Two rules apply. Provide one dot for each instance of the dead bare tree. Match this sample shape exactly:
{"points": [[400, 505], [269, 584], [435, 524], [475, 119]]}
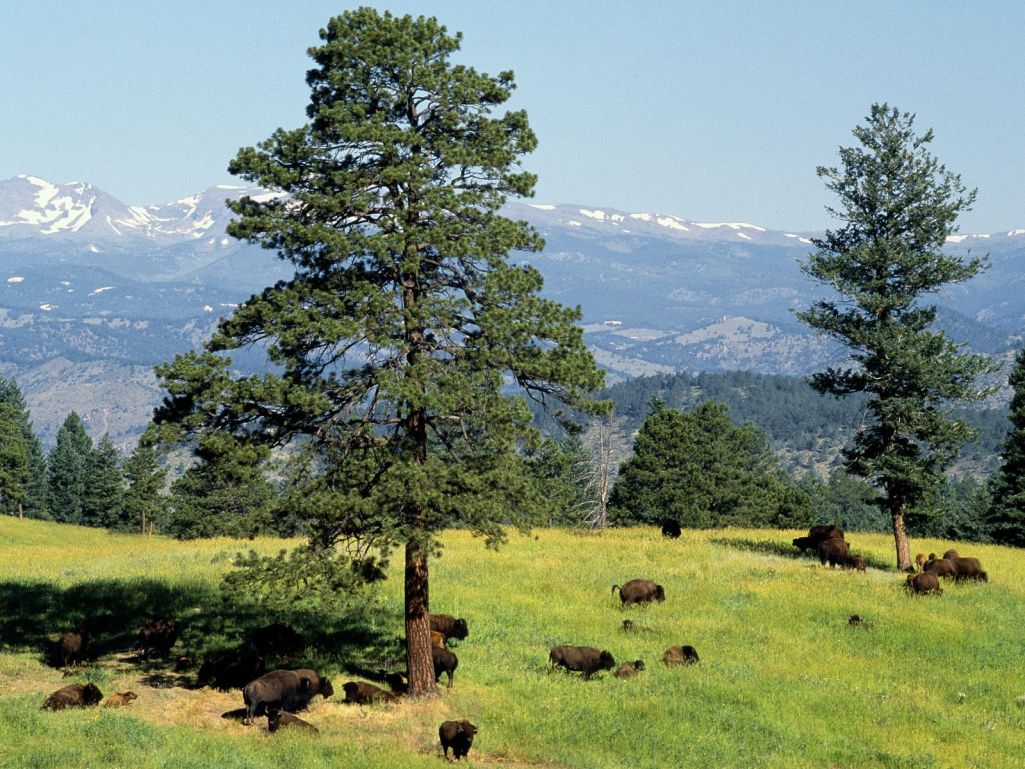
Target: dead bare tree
{"points": [[598, 468]]}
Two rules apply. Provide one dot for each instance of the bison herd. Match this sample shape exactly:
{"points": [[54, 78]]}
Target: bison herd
{"points": [[278, 694]]}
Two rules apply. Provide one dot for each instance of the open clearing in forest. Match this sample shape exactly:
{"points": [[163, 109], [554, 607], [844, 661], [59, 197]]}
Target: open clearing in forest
{"points": [[784, 680]]}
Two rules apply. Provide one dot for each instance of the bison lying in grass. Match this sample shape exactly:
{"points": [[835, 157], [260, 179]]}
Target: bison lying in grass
{"points": [[74, 696]]}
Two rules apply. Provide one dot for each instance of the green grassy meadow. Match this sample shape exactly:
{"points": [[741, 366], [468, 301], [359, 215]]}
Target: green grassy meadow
{"points": [[784, 680]]}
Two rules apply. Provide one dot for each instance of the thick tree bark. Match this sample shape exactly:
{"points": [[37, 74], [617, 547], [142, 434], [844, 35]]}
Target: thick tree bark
{"points": [[419, 662], [900, 538]]}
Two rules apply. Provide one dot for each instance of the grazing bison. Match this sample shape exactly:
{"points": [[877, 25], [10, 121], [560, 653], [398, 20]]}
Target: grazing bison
{"points": [[950, 554], [360, 693], [628, 669], [817, 534], [583, 659], [290, 689], [854, 562], [230, 669], [457, 735], [639, 591], [120, 700], [277, 638], [671, 529], [968, 568], [444, 662], [437, 639], [923, 583], [73, 696], [855, 621], [449, 626], [941, 567], [680, 655], [158, 636], [806, 543], [920, 561], [73, 647], [280, 719], [833, 551]]}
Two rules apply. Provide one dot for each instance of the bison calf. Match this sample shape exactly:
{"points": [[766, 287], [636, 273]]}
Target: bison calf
{"points": [[360, 693], [437, 639], [923, 583], [582, 659], [628, 669], [680, 655], [457, 735], [120, 700], [639, 591], [280, 719], [73, 696]]}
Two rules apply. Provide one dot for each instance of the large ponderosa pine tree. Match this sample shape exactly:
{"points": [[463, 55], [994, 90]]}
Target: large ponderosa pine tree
{"points": [[14, 462], [33, 502], [1006, 518], [898, 205], [405, 323]]}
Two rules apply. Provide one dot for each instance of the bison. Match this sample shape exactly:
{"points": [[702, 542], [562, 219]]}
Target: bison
{"points": [[396, 682], [280, 719], [582, 659], [120, 700], [360, 693], [289, 689], [923, 583], [968, 568], [449, 626], [834, 551], [628, 669], [444, 662], [671, 529], [159, 636], [680, 655], [457, 735], [941, 567], [639, 591], [817, 534], [73, 647], [437, 639], [230, 669], [73, 696], [920, 562], [950, 554], [854, 562]]}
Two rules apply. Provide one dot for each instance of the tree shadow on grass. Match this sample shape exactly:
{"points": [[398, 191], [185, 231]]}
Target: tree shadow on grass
{"points": [[33, 614], [787, 550]]}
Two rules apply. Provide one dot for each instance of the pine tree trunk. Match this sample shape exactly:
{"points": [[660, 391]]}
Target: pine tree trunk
{"points": [[21, 512], [419, 662], [900, 538]]}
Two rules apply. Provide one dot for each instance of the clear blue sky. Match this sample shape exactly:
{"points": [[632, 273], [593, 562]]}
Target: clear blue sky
{"points": [[710, 110]]}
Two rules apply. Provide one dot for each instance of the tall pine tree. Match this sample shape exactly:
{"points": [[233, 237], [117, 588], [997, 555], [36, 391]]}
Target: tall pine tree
{"points": [[66, 470], [103, 487], [898, 205], [34, 499], [14, 462], [1006, 517], [404, 317], [144, 500]]}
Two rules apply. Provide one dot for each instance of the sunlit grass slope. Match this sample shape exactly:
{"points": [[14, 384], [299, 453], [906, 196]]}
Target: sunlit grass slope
{"points": [[784, 680]]}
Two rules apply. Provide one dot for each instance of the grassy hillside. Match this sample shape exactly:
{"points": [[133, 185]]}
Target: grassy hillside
{"points": [[784, 680]]}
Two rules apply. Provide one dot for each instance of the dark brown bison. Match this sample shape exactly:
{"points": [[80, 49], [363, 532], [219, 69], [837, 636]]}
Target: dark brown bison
{"points": [[854, 562], [923, 583], [968, 568], [291, 690], [396, 682], [671, 529], [444, 662], [230, 669], [457, 735], [120, 700], [826, 531], [159, 636], [280, 719], [582, 659], [184, 664], [833, 551], [449, 626], [941, 567], [276, 639], [360, 693], [437, 639], [628, 669], [951, 554], [72, 647], [639, 591], [74, 696], [680, 655]]}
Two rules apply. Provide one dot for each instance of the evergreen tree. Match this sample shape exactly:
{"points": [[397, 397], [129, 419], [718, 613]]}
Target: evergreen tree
{"points": [[144, 500], [35, 505], [557, 467], [702, 470], [14, 462], [66, 470], [404, 315], [1006, 516], [103, 487], [898, 206]]}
